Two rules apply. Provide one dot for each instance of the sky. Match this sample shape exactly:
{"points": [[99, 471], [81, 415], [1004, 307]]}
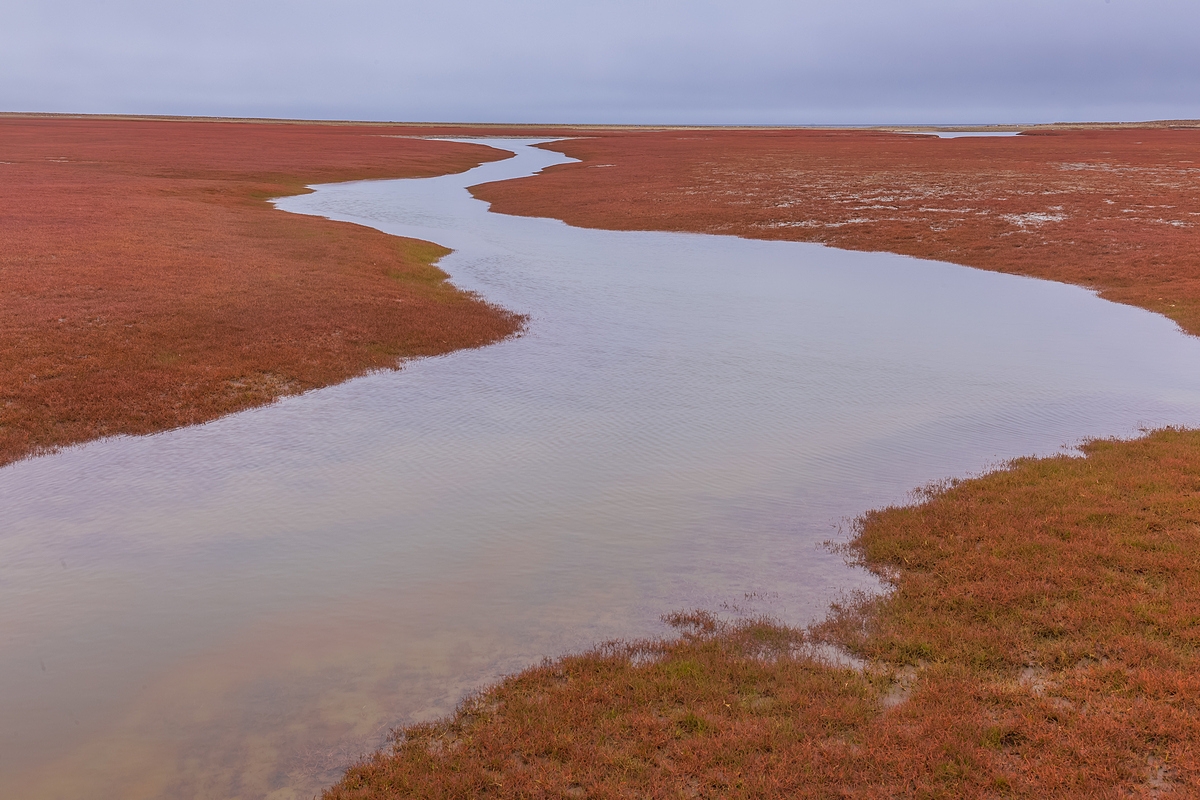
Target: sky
{"points": [[754, 62]]}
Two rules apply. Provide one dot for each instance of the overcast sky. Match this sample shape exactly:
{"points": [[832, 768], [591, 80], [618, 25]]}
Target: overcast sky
{"points": [[627, 61]]}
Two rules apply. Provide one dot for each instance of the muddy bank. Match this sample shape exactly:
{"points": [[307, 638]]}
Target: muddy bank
{"points": [[1117, 209], [147, 283]]}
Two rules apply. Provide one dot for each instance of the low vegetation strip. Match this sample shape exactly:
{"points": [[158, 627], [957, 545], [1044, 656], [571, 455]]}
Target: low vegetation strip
{"points": [[147, 284], [1040, 640], [1117, 209]]}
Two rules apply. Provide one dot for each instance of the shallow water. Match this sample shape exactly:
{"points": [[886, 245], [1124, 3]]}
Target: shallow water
{"points": [[239, 609], [965, 134]]}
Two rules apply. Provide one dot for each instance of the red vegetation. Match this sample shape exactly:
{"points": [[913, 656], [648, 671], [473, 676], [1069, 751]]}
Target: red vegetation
{"points": [[1115, 209], [146, 283]]}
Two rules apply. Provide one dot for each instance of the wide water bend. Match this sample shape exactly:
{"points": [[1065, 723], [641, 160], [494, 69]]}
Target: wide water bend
{"points": [[238, 609]]}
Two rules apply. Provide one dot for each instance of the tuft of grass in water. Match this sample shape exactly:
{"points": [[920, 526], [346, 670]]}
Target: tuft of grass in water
{"points": [[1040, 639]]}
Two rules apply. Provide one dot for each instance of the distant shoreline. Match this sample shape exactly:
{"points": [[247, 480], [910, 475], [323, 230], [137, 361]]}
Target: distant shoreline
{"points": [[583, 127]]}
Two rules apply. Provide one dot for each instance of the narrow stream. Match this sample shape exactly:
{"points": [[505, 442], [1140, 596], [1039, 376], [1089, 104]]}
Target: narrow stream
{"points": [[241, 608]]}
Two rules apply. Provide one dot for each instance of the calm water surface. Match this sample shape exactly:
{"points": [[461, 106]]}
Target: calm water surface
{"points": [[239, 609]]}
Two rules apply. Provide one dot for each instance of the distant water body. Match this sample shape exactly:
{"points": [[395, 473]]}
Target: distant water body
{"points": [[238, 609], [963, 134]]}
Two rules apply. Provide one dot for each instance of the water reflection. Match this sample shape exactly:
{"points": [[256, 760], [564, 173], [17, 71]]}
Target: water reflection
{"points": [[236, 610]]}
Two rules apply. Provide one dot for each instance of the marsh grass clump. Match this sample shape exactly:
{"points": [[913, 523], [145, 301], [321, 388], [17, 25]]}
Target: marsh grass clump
{"points": [[1039, 639], [723, 704]]}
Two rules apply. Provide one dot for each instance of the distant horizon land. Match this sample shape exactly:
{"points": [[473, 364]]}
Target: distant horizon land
{"points": [[883, 126]]}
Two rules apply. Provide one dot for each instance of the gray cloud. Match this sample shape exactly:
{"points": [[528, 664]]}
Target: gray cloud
{"points": [[637, 61]]}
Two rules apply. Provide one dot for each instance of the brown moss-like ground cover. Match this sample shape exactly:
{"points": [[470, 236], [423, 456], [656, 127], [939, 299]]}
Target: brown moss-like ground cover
{"points": [[1040, 641], [146, 283], [1113, 209]]}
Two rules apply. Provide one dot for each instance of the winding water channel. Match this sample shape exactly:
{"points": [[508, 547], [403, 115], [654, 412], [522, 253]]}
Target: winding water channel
{"points": [[240, 608]]}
